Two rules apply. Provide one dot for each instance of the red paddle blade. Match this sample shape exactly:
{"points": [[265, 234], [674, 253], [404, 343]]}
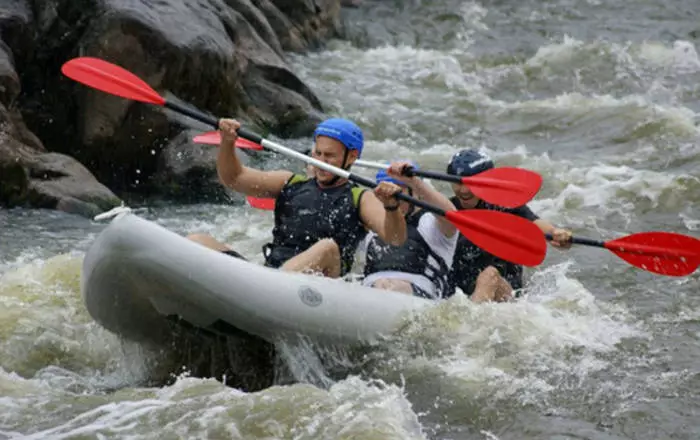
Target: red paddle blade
{"points": [[665, 253], [110, 78], [505, 186], [209, 138], [214, 138], [504, 235], [267, 204]]}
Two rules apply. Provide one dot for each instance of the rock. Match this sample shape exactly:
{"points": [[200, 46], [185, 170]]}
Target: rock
{"points": [[16, 28], [302, 24], [14, 176], [59, 181], [224, 57], [187, 171], [30, 175], [184, 166], [49, 180], [9, 81], [351, 3]]}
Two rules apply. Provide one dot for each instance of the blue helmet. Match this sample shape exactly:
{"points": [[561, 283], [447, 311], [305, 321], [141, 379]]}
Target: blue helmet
{"points": [[469, 163], [344, 131], [383, 176]]}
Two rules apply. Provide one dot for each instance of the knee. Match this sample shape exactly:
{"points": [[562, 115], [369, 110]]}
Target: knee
{"points": [[329, 247], [199, 238], [489, 276], [207, 241]]}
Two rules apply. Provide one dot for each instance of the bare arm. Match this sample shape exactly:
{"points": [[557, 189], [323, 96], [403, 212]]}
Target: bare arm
{"points": [[545, 226], [431, 195], [240, 178], [390, 226], [561, 238]]}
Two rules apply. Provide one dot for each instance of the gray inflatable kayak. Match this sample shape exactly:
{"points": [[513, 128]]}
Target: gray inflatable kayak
{"points": [[138, 275]]}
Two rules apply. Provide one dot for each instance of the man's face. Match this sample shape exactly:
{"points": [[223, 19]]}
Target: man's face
{"points": [[330, 151], [467, 199]]}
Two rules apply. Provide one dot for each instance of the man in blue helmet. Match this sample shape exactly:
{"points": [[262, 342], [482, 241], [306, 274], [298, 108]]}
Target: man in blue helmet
{"points": [[471, 261], [319, 219], [421, 265]]}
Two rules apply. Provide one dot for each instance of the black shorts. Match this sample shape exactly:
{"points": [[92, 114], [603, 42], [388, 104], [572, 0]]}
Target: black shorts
{"points": [[234, 254], [418, 291]]}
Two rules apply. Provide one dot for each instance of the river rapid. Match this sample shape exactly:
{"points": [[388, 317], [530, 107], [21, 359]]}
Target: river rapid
{"points": [[599, 97]]}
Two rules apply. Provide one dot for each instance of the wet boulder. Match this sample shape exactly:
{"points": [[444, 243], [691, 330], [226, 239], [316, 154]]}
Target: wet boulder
{"points": [[29, 175], [225, 57], [222, 57]]}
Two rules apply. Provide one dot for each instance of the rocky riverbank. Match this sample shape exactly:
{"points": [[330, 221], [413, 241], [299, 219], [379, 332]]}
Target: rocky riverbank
{"points": [[67, 147]]}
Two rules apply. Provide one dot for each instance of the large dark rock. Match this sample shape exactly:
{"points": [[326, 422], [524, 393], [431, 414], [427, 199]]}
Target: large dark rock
{"points": [[222, 56], [28, 173], [187, 171]]}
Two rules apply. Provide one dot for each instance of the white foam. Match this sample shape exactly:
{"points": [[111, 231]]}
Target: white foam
{"points": [[518, 350], [198, 408]]}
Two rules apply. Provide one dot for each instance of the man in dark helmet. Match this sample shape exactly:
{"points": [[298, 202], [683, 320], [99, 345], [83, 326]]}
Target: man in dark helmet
{"points": [[470, 260], [421, 265]]}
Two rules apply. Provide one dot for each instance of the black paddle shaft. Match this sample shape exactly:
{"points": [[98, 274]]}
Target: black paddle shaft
{"points": [[410, 172], [401, 196], [582, 240], [214, 122]]}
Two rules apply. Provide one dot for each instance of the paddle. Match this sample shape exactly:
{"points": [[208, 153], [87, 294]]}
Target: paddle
{"points": [[259, 203], [664, 253], [507, 236], [214, 138], [504, 186]]}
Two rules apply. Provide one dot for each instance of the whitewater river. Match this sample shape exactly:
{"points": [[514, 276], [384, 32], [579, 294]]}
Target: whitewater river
{"points": [[599, 97]]}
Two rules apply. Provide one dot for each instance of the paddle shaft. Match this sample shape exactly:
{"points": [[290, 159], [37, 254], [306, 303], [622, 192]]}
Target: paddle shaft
{"points": [[410, 172], [207, 119], [582, 240], [637, 248]]}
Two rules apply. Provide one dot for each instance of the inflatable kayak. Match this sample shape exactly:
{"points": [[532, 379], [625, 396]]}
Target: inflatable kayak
{"points": [[137, 276]]}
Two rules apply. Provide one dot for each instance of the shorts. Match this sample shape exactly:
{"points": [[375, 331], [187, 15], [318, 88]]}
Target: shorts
{"points": [[420, 292], [234, 254]]}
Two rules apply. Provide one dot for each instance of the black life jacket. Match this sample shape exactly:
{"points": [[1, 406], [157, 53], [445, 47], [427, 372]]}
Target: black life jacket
{"points": [[413, 256], [306, 213], [470, 260]]}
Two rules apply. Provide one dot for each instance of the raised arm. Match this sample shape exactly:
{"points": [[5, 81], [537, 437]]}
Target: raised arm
{"points": [[238, 177]]}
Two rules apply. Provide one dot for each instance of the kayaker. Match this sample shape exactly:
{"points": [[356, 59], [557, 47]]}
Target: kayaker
{"points": [[470, 260], [421, 265], [320, 220]]}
